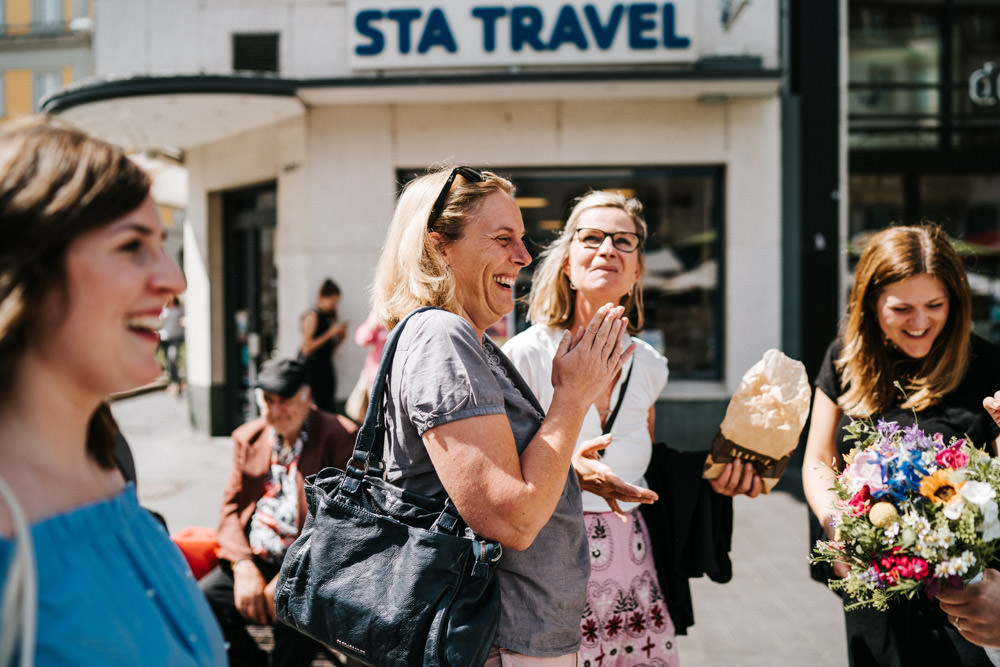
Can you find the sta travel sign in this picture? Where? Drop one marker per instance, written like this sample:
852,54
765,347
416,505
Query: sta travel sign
460,33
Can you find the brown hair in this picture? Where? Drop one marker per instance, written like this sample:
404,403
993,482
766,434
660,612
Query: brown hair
866,362
55,184
328,288
551,301
411,271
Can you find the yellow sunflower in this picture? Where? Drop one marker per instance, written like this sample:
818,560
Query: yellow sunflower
939,486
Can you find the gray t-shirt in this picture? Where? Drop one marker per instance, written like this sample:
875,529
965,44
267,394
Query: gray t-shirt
442,373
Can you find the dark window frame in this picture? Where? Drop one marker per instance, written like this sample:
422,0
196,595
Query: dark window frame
256,51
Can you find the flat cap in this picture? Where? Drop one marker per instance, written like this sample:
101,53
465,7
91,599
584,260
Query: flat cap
281,376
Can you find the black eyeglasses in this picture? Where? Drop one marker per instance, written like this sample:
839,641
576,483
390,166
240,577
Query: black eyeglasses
593,238
469,174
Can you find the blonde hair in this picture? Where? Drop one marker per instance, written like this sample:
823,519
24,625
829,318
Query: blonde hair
865,364
411,272
552,299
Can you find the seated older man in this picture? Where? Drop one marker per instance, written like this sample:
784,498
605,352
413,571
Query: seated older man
264,507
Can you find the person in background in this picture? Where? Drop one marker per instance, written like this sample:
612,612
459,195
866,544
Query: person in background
598,259
171,339
460,419
83,279
908,322
263,508
321,334
370,334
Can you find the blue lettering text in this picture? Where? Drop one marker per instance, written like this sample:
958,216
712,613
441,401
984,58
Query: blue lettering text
489,16
437,33
362,23
639,23
604,35
670,38
644,25
403,18
568,29
525,26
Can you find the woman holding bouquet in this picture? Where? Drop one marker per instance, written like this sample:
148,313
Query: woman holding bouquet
599,259
906,355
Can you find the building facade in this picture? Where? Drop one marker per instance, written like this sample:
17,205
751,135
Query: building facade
898,120
298,121
44,46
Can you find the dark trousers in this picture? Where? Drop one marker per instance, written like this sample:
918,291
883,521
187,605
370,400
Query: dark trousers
291,648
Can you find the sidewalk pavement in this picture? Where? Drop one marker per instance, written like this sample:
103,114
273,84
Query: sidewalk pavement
771,613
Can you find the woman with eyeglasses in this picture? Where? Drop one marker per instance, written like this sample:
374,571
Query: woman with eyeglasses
598,259
462,421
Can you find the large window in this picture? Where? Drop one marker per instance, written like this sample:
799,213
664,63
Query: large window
683,284
966,205
43,84
921,74
47,16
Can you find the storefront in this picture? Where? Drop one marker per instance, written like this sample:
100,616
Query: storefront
294,173
910,133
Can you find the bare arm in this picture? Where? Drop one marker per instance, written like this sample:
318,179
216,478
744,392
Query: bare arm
507,497
821,453
311,339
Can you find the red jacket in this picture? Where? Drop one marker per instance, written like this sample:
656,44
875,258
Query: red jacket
330,443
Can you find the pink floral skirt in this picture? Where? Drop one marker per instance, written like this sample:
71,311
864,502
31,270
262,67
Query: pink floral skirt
625,622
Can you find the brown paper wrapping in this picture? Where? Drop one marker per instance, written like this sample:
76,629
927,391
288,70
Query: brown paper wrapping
764,419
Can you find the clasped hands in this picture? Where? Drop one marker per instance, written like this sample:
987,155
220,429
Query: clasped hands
254,597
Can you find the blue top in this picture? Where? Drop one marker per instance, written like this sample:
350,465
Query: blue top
114,590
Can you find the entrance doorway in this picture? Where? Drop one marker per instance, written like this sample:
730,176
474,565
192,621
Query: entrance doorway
251,292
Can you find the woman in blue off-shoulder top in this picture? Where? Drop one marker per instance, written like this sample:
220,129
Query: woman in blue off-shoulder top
83,278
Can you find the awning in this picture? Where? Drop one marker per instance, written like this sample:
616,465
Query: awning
177,112
184,111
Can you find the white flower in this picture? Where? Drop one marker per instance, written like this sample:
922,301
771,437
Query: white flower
991,523
978,493
953,510
959,565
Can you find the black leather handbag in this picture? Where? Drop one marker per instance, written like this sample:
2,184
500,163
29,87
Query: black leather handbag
383,575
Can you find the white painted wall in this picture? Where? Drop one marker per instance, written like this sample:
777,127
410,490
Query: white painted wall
188,36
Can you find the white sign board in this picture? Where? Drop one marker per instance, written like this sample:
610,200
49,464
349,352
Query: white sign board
458,33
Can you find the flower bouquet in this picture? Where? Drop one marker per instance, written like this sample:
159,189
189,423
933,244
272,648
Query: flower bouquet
915,514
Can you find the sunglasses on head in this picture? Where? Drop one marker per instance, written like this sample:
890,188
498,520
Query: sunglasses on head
469,174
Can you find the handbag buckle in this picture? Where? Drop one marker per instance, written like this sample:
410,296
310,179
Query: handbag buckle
357,468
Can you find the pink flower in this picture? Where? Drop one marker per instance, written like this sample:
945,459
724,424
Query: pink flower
865,469
861,501
893,567
953,457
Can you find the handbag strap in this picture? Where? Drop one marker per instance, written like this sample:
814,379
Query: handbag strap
610,421
19,615
367,458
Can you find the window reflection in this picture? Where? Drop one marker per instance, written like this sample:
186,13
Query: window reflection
966,205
